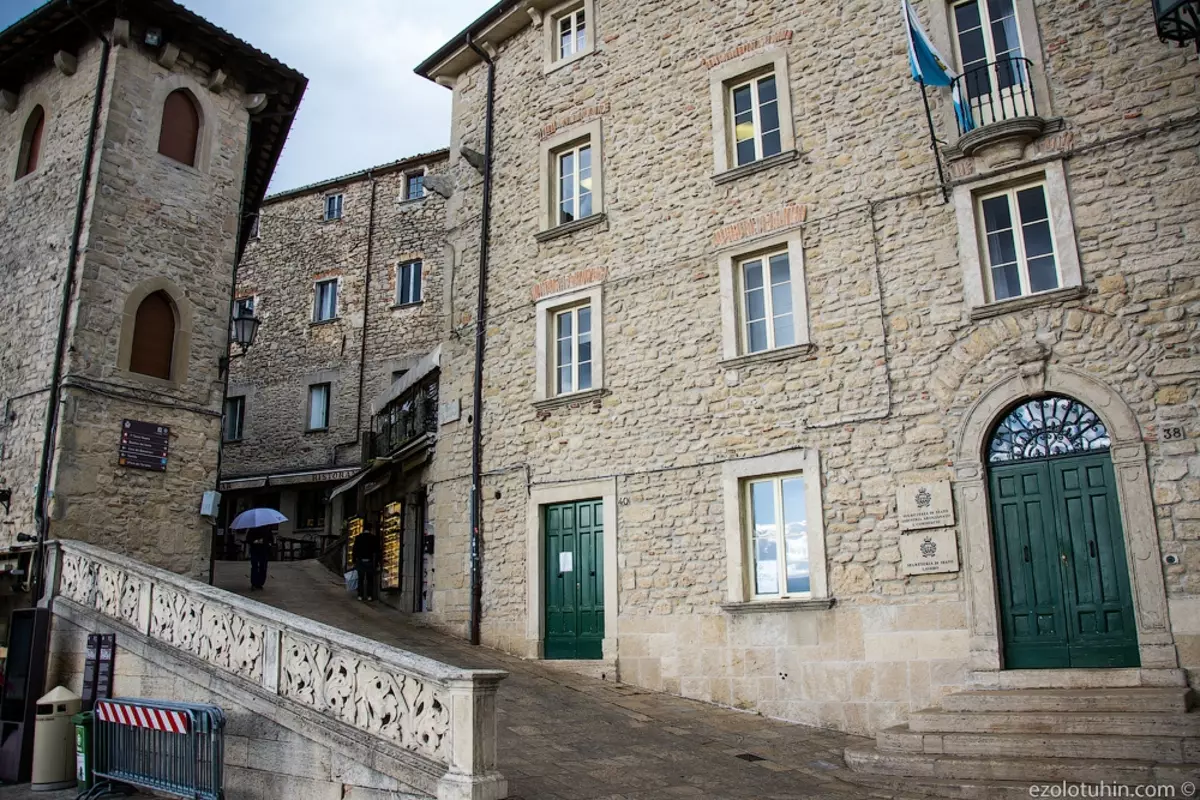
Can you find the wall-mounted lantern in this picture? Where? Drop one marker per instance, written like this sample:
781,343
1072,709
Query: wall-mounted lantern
245,327
1178,21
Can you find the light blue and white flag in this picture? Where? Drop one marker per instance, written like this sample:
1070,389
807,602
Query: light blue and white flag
927,65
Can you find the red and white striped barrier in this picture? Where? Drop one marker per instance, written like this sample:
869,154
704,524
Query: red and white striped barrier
136,716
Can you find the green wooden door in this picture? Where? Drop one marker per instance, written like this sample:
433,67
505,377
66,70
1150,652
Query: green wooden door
1060,565
574,571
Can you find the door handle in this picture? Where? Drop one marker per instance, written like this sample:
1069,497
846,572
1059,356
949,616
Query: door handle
1063,556
592,573
1092,548
1027,559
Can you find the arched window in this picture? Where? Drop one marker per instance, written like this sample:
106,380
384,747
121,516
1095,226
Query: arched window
180,128
1045,428
153,337
31,142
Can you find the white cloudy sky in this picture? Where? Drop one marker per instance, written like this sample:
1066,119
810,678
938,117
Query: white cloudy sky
364,106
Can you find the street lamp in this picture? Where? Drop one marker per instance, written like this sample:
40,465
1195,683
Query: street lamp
1178,21
245,326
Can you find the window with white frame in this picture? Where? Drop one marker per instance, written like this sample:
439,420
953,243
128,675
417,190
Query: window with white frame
318,407
752,112
774,527
571,182
408,283
243,307
768,311
333,207
574,183
325,300
570,32
414,185
235,416
573,350
754,119
988,41
1016,238
256,227
570,347
764,305
1018,242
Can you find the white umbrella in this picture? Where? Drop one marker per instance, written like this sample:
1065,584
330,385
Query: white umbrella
257,518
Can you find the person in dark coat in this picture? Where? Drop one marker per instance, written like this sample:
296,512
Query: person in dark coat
366,559
260,540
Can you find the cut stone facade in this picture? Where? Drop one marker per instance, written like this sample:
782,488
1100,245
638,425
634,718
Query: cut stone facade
901,358
296,247
150,224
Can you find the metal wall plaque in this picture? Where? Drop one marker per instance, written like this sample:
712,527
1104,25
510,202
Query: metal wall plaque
929,552
143,445
449,411
925,505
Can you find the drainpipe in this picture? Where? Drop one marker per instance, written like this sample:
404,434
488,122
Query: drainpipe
362,352
50,430
480,328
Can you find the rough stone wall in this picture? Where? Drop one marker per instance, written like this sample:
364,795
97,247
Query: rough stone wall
153,219
263,759
291,351
36,216
897,361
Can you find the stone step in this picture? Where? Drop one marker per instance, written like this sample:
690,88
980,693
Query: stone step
1116,723
932,787
1163,749
1146,700
869,759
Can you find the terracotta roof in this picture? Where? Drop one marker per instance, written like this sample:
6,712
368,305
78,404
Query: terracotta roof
27,48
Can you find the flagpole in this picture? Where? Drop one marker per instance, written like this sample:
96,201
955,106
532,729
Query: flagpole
933,143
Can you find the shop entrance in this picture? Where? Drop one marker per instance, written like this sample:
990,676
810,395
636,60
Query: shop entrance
574,576
1062,574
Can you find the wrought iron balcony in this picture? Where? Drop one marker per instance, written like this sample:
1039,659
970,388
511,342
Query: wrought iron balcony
996,97
411,415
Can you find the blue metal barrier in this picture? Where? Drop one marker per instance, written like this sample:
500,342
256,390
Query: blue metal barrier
173,748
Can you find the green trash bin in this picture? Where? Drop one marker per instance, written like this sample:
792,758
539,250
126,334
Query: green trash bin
83,750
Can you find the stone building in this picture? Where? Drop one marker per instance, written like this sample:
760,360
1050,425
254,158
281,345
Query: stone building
346,277
132,137
768,419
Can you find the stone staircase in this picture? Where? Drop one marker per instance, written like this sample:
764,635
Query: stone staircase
997,743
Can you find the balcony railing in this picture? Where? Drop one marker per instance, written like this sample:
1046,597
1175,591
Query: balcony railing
993,92
410,415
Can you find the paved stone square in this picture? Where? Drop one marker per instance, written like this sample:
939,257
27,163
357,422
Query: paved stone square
574,737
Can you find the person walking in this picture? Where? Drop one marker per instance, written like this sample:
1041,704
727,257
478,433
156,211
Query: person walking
260,540
366,554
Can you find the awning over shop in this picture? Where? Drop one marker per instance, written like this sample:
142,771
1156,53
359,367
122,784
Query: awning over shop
289,479
356,480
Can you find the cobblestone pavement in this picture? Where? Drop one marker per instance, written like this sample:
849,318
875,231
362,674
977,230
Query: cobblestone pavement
575,738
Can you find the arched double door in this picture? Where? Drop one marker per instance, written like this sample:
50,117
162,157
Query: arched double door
1061,569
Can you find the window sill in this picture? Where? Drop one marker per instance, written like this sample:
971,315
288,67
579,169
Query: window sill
734,174
412,201
568,228
316,430
766,356
319,322
398,306
326,220
232,441
187,169
1028,301
778,606
570,399
554,66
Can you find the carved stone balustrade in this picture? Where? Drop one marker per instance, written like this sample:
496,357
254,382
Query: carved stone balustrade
435,717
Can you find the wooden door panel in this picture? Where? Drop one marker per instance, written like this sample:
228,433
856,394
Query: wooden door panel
574,597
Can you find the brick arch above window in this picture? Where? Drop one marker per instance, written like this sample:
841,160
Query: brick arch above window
156,333
179,132
31,142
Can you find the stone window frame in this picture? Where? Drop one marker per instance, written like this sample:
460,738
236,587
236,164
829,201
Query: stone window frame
970,240
412,173
241,419
732,349
28,104
544,395
734,476
592,133
181,350
256,228
341,206
32,131
535,541
941,30
400,265
308,396
720,80
337,300
551,61
208,122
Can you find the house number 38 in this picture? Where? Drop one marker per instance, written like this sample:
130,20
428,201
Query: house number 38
1172,433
